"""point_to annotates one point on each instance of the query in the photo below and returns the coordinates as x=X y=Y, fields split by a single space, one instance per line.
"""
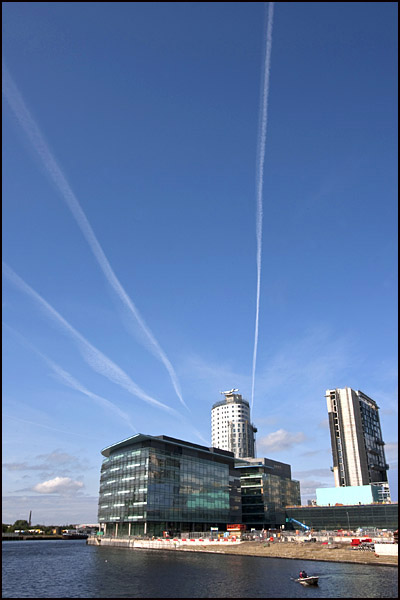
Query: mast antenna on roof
x=229 y=392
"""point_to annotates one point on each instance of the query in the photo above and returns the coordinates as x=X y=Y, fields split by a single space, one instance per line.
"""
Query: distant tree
x=20 y=524
x=47 y=528
x=5 y=527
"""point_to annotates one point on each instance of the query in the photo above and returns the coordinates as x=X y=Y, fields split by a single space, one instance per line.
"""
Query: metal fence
x=265 y=535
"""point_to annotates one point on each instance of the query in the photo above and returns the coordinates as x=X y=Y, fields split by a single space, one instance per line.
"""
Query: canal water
x=72 y=569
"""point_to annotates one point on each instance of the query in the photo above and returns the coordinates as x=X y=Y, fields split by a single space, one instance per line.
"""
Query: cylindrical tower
x=231 y=427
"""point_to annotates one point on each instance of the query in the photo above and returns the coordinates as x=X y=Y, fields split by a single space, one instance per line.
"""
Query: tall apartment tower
x=356 y=437
x=231 y=428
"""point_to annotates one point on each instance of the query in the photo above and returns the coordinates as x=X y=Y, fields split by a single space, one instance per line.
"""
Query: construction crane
x=291 y=520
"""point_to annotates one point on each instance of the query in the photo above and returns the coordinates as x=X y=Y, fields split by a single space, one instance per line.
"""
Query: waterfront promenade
x=304 y=551
x=337 y=552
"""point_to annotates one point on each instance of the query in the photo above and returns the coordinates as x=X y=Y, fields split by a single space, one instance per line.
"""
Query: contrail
x=71 y=382
x=39 y=143
x=48 y=427
x=262 y=136
x=94 y=357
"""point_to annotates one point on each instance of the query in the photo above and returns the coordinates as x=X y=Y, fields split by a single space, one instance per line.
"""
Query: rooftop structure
x=231 y=427
x=353 y=495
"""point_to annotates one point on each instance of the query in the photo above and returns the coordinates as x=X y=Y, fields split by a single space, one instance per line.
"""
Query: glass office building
x=153 y=484
x=266 y=489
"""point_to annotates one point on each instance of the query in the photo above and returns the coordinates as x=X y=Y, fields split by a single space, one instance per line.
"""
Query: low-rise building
x=348 y=517
x=355 y=494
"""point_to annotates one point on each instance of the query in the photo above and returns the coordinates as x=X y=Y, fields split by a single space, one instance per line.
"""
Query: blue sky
x=130 y=157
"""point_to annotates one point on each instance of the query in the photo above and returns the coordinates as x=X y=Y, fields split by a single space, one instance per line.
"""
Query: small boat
x=313 y=580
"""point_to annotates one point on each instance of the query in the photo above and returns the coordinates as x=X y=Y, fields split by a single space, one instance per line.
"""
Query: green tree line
x=23 y=525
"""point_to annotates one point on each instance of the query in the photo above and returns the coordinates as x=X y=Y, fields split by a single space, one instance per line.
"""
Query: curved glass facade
x=150 y=484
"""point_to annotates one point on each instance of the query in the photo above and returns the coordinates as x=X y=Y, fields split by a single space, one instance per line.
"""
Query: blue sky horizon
x=131 y=175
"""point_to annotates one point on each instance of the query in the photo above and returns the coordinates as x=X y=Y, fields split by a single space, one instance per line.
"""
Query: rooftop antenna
x=229 y=392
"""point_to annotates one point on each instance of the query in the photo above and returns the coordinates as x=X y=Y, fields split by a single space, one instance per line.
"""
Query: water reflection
x=71 y=569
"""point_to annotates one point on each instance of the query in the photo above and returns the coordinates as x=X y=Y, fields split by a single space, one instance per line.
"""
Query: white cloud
x=279 y=440
x=57 y=457
x=22 y=466
x=55 y=460
x=58 y=485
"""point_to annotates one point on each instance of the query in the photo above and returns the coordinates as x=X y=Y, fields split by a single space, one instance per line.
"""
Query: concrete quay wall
x=159 y=543
x=299 y=551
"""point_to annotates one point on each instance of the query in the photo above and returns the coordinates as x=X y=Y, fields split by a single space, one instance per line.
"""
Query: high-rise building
x=231 y=427
x=356 y=437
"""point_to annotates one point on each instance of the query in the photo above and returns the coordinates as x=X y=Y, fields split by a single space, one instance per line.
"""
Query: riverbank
x=301 y=551
x=338 y=552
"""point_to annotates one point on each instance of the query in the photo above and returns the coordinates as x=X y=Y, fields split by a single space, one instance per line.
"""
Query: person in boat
x=303 y=575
